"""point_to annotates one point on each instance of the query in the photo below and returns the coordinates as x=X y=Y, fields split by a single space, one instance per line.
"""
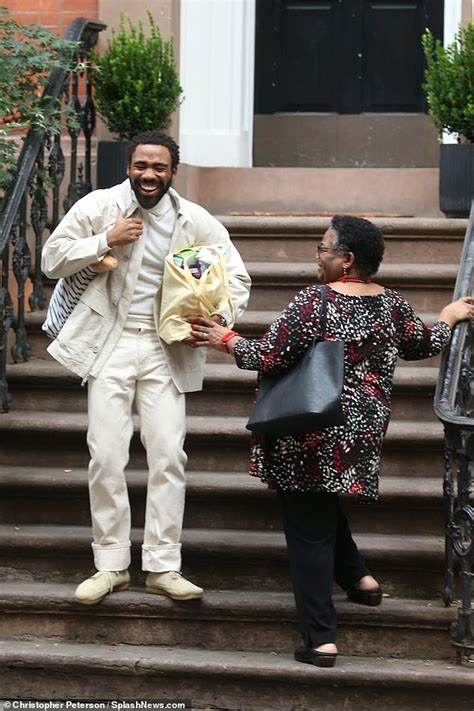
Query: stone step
x=253 y=324
x=425 y=286
x=32 y=495
x=294 y=238
x=46 y=385
x=406 y=565
x=228 y=679
x=253 y=621
x=213 y=443
x=37 y=339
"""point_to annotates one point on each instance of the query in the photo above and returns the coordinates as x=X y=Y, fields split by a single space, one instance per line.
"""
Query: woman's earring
x=344 y=273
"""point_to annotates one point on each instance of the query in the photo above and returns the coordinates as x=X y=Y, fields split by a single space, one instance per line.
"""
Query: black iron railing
x=33 y=199
x=454 y=405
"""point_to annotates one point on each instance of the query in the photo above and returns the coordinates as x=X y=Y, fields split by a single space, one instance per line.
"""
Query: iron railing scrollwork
x=454 y=405
x=33 y=199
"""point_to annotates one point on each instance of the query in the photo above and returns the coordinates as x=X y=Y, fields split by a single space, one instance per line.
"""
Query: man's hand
x=125 y=230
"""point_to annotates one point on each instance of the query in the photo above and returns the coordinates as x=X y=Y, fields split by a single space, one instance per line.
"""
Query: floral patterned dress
x=376 y=329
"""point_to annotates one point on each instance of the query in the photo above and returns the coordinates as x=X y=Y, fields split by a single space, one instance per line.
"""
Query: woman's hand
x=460 y=310
x=206 y=332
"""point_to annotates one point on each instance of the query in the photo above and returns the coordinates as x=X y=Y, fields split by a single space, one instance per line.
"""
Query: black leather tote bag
x=308 y=396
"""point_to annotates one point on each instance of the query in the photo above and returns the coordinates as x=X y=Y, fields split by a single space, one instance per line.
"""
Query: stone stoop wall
x=389 y=192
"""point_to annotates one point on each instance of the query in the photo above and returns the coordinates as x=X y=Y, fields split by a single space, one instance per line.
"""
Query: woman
x=310 y=471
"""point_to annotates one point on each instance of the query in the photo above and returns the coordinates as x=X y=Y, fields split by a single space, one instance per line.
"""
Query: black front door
x=342 y=56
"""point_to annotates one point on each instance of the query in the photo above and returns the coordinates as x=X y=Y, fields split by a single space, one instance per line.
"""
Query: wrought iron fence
x=454 y=405
x=33 y=199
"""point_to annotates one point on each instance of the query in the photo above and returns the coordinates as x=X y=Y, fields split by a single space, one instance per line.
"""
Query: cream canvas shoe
x=97 y=587
x=173 y=585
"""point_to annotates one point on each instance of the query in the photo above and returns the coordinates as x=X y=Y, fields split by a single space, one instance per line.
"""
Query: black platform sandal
x=372 y=598
x=308 y=655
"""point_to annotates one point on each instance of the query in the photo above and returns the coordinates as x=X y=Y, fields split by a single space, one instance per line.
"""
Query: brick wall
x=53 y=14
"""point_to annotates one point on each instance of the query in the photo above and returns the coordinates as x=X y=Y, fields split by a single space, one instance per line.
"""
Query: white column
x=452 y=20
x=217 y=41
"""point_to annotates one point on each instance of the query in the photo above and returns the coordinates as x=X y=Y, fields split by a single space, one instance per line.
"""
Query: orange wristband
x=227 y=337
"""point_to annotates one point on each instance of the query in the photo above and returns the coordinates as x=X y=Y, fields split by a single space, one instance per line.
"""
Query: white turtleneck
x=160 y=221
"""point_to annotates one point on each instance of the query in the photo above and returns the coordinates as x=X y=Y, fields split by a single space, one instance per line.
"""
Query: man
x=111 y=340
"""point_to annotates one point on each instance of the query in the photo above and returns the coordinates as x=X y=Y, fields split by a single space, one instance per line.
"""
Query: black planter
x=456 y=179
x=112 y=159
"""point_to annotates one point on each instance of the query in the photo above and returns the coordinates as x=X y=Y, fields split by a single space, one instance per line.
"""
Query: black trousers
x=320 y=549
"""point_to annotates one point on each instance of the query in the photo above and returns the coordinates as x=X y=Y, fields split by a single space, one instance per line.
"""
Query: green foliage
x=28 y=53
x=135 y=80
x=449 y=82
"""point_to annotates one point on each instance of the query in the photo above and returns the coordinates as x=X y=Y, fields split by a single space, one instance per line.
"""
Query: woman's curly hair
x=362 y=238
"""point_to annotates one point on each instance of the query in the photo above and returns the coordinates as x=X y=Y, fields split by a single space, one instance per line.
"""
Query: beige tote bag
x=183 y=295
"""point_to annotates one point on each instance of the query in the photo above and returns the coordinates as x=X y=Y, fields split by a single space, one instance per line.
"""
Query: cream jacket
x=94 y=327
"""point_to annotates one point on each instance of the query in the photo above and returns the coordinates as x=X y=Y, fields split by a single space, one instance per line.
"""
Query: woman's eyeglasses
x=322 y=248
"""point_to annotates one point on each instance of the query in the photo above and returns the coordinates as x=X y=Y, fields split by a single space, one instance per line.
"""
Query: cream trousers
x=136 y=372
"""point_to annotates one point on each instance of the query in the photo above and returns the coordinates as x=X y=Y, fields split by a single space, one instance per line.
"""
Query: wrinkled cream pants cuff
x=137 y=371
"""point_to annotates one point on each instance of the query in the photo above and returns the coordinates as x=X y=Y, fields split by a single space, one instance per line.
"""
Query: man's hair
x=156 y=138
x=362 y=238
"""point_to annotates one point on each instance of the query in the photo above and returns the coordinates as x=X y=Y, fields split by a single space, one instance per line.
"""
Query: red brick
x=84 y=9
x=20 y=5
x=81 y=8
x=68 y=8
x=55 y=18
x=50 y=6
x=26 y=18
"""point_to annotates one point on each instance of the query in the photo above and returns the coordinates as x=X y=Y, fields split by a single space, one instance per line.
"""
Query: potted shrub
x=136 y=89
x=449 y=87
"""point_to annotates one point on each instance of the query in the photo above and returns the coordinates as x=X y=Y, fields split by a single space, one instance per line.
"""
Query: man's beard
x=148 y=201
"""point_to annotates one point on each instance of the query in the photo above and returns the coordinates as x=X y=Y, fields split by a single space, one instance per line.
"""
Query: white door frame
x=452 y=20
x=217 y=40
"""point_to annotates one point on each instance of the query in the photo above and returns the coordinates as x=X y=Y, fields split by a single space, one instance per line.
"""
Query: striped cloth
x=64 y=298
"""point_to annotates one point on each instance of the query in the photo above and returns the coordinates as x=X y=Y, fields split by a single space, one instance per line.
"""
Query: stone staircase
x=233 y=649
